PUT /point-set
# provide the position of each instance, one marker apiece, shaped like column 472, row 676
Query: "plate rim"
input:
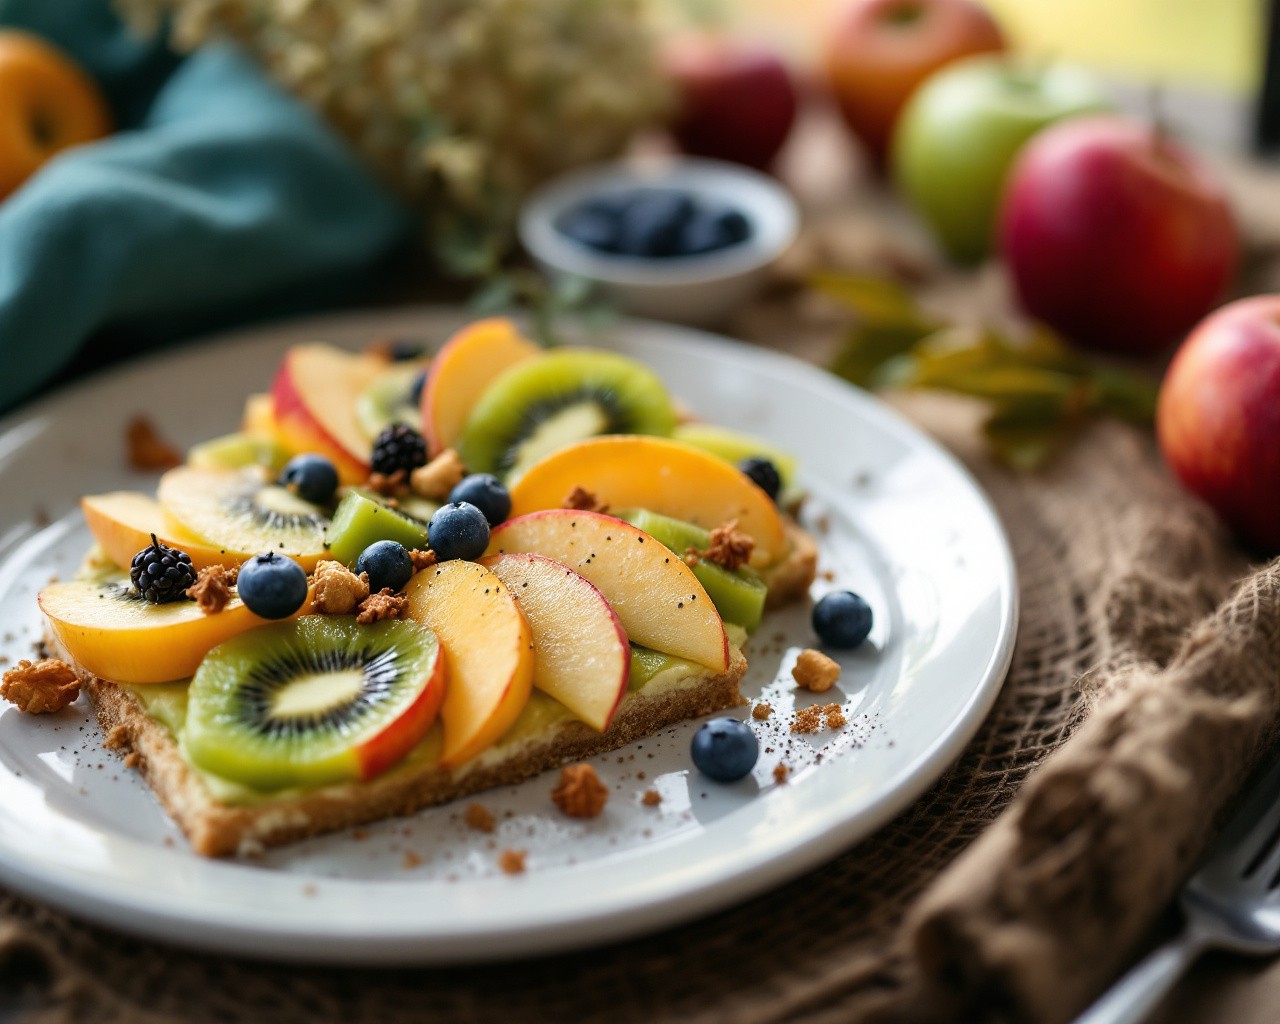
column 391, row 945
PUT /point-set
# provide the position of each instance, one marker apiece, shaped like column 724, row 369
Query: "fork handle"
column 1132, row 998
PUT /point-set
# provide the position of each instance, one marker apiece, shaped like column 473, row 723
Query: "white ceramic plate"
column 898, row 521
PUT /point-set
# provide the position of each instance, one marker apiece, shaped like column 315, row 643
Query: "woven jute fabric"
column 941, row 914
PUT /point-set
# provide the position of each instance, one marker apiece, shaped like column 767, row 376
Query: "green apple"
column 961, row 130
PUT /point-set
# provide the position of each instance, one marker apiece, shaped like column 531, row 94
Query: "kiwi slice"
column 232, row 451
column 243, row 510
column 363, row 517
column 737, row 594
column 542, row 404
column 390, row 399
column 647, row 663
column 306, row 703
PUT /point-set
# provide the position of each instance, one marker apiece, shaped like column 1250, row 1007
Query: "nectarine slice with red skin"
column 467, row 364
column 656, row 596
column 122, row 523
column 313, row 405
column 670, row 477
column 581, row 654
column 127, row 640
column 489, row 649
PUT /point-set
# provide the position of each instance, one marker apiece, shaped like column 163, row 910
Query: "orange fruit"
column 47, row 103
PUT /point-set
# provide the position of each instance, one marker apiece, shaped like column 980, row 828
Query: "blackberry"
column 162, row 574
column 396, row 448
column 763, row 473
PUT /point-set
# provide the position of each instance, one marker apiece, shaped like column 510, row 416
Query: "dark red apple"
column 879, row 50
column 736, row 99
column 1116, row 236
column 1218, row 418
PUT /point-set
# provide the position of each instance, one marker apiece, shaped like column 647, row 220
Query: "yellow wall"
column 1215, row 44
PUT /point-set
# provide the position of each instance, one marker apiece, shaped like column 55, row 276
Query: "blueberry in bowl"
column 681, row 238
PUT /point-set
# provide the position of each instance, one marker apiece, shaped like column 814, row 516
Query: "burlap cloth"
column 1145, row 683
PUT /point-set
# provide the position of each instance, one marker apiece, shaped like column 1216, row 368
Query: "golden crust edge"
column 789, row 580
column 215, row 829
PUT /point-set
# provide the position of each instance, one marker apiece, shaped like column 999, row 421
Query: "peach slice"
column 467, row 364
column 122, row 523
column 489, row 649
column 580, row 650
column 656, row 596
column 259, row 415
column 314, row 405
column 115, row 634
column 665, row 476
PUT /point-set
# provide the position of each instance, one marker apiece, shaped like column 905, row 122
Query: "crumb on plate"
column 40, row 687
column 580, row 794
column 815, row 671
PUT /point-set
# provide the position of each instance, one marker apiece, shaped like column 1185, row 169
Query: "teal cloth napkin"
column 217, row 193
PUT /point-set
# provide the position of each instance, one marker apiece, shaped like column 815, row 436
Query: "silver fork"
column 1232, row 902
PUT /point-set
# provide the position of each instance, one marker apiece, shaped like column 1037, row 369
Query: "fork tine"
column 1254, row 830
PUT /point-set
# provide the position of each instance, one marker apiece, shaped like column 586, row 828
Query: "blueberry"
column 402, row 350
column 725, row 749
column 735, row 225
column 653, row 224
column 762, row 473
column 415, row 389
column 589, row 228
column 842, row 619
column 486, row 493
column 272, row 586
column 458, row 530
column 387, row 563
column 703, row 233
column 312, row 477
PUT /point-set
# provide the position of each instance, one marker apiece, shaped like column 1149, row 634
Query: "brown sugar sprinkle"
column 812, row 719
column 146, row 449
column 389, row 485
column 338, row 590
column 584, row 501
column 780, row 773
column 761, row 711
column 651, row 798
column 385, row 604
column 410, row 860
column 512, row 861
column 480, row 818
column 580, row 794
column 815, row 671
column 728, row 548
column 42, row 687
column 439, row 476
column 212, row 588
column 422, row 559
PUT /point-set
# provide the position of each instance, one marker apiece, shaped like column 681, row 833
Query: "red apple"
column 1116, row 236
column 880, row 50
column 314, row 405
column 736, row 99
column 1219, row 417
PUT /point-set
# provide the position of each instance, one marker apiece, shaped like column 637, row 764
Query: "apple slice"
column 114, row 633
column 488, row 647
column 259, row 415
column 665, row 476
column 656, row 596
column 122, row 523
column 314, row 405
column 467, row 364
column 580, row 650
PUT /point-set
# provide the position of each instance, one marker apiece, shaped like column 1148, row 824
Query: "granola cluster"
column 212, row 588
column 385, row 604
column 580, row 794
column 728, row 548
column 438, row 477
column 338, row 590
column 40, row 687
column 582, row 500
column 815, row 671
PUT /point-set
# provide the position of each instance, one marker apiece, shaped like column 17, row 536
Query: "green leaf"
column 875, row 299
column 867, row 347
column 1025, row 434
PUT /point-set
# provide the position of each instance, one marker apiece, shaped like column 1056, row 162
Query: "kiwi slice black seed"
column 542, row 404
column 295, row 704
column 243, row 510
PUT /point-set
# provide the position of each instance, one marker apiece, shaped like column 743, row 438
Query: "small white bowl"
column 701, row 289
